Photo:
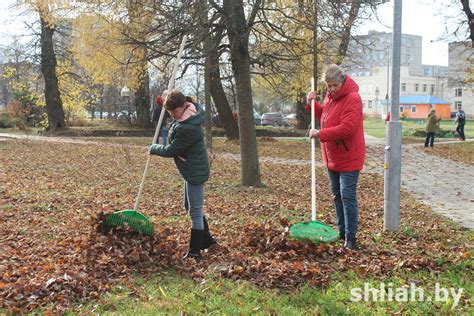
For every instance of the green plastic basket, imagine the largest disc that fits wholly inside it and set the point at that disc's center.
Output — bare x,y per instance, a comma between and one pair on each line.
313,231
133,219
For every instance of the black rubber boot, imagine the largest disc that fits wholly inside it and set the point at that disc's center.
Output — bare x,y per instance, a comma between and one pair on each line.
195,244
208,240
350,243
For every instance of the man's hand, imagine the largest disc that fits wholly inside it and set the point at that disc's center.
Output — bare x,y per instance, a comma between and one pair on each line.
314,133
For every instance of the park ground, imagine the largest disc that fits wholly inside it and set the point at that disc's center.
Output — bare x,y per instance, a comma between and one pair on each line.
53,259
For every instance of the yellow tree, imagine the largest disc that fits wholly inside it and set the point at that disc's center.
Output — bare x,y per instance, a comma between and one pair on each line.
47,11
115,53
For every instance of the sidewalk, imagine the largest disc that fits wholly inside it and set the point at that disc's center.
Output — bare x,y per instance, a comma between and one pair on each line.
441,183
436,181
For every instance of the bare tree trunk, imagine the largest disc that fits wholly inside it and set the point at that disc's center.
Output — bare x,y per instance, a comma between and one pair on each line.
238,33
346,33
142,95
207,71
52,95
470,19
220,99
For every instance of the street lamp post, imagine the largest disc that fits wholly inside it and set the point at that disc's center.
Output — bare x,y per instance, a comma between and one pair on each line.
388,80
393,148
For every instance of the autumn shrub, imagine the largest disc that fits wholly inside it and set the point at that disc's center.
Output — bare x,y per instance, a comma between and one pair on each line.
441,133
18,113
5,121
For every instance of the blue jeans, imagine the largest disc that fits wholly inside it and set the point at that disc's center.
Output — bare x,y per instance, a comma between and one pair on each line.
460,130
430,136
344,187
194,203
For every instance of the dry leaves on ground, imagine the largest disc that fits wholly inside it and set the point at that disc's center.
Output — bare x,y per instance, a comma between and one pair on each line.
55,197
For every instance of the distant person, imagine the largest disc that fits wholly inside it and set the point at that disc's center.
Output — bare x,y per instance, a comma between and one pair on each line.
461,120
155,118
387,118
189,151
341,135
430,128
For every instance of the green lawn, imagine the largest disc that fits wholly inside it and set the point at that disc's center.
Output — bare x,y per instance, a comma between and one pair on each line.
170,293
377,127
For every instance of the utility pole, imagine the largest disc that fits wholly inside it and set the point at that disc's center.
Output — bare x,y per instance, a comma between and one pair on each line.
393,148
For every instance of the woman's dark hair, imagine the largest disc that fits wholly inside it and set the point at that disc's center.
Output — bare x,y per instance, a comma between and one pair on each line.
173,99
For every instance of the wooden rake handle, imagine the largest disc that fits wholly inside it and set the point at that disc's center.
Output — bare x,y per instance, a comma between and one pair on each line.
160,121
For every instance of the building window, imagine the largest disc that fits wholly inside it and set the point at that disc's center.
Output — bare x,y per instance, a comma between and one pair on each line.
457,103
432,90
417,87
404,87
458,92
425,87
401,109
370,104
413,109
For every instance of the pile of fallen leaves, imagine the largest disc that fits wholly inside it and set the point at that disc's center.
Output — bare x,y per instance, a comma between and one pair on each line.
53,250
462,152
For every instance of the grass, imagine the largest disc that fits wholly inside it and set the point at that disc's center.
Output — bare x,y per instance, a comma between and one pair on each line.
377,127
170,293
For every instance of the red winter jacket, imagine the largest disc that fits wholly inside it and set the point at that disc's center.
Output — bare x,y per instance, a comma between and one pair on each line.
342,130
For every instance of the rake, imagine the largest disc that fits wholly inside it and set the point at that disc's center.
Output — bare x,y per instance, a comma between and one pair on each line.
313,231
134,219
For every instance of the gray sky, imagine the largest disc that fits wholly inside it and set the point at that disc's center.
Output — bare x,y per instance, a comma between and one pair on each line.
420,17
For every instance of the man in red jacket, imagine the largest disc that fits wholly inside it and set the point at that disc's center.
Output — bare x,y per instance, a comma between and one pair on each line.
342,146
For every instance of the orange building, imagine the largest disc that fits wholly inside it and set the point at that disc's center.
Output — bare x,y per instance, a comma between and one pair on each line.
418,106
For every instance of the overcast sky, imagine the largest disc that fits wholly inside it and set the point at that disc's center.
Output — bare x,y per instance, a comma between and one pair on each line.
420,17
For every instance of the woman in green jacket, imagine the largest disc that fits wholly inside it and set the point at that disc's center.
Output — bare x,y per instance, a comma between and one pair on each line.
187,147
430,128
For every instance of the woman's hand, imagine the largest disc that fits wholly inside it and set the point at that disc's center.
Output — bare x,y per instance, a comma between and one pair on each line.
314,133
311,95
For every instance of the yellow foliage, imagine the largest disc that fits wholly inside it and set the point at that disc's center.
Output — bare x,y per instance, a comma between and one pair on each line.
101,47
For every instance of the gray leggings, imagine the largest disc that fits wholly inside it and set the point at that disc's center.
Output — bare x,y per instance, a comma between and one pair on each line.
194,203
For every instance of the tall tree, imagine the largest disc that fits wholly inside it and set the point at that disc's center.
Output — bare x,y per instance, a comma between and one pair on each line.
54,105
238,30
48,20
470,19
215,85
139,16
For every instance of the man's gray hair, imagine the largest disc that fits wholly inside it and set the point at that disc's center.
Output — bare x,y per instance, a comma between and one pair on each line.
334,73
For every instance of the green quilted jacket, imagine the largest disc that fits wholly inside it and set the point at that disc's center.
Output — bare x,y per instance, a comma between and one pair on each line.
187,147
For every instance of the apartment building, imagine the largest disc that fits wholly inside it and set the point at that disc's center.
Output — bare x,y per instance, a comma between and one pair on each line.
460,83
375,89
369,63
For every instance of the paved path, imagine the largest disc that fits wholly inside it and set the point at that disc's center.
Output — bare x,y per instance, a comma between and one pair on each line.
441,183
